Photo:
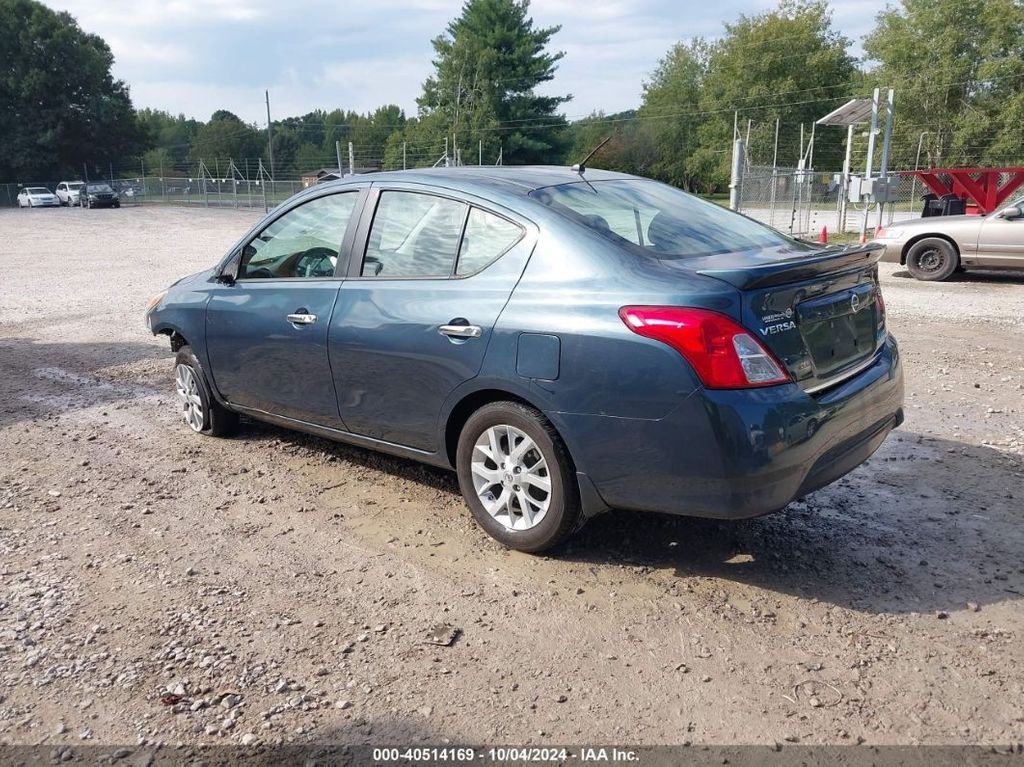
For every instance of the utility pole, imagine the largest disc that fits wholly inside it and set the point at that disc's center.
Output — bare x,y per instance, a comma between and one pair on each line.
337,151
83,196
262,181
351,160
917,164
403,155
736,174
870,163
775,175
886,140
480,153
270,137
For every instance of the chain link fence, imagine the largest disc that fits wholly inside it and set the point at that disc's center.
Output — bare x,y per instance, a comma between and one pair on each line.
803,202
184,191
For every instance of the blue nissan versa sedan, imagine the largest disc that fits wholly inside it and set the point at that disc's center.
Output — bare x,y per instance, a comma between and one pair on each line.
568,341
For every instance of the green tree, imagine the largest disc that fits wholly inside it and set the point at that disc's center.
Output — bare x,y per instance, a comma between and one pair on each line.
958,75
787,64
226,137
488,65
59,104
670,112
173,134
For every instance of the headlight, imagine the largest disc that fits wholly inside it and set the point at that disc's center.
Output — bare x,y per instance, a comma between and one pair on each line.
155,300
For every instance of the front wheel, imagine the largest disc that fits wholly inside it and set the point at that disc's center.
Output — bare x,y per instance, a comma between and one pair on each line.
518,478
195,402
932,259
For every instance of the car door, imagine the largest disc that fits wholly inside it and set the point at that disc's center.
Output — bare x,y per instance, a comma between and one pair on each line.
62,192
1001,240
429,276
266,330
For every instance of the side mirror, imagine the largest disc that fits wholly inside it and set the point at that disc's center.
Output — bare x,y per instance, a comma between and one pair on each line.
1009,213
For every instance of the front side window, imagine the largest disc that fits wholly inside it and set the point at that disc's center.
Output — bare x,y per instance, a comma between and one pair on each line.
304,242
657,220
414,235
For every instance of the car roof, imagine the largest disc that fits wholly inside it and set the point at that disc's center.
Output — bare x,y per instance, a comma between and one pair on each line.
507,179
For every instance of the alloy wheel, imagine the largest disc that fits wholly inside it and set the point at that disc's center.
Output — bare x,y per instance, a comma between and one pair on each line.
187,387
511,477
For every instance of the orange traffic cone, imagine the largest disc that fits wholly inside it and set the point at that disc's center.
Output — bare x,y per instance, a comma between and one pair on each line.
823,237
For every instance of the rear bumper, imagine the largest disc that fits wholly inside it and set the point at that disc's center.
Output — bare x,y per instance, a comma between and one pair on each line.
737,454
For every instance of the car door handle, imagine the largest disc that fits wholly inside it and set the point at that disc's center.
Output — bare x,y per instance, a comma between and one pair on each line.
302,318
460,331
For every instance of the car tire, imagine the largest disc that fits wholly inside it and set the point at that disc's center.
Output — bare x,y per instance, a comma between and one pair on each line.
532,467
932,259
200,410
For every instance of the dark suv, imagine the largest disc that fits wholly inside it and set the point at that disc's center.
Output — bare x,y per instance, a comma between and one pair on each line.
101,196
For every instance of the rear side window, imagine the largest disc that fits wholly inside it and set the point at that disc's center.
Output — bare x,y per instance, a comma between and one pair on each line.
304,242
414,235
486,238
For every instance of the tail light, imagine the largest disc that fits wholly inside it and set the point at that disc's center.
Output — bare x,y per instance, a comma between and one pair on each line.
722,353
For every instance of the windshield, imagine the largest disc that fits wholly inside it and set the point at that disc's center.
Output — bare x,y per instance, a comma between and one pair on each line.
75,185
656,219
99,188
37,190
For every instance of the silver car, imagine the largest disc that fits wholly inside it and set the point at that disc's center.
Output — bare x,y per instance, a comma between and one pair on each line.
933,248
37,197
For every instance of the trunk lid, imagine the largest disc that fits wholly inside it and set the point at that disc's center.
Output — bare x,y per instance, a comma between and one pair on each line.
817,311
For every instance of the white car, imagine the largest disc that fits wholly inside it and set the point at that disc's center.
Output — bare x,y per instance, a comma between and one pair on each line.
37,197
68,192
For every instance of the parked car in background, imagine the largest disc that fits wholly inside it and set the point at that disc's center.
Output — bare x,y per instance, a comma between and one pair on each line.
101,196
934,248
567,341
68,191
37,197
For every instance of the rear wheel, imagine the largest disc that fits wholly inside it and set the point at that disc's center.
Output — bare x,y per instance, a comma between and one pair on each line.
518,478
932,259
195,402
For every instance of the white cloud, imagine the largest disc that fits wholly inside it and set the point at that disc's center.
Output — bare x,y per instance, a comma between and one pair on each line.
195,56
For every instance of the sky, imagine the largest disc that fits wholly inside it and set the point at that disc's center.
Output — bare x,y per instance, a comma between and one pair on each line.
197,56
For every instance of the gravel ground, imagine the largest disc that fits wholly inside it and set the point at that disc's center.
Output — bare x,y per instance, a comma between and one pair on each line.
156,586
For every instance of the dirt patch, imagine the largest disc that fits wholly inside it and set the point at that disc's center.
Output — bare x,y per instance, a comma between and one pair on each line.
160,587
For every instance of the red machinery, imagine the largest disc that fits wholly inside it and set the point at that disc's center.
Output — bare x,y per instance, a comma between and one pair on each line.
980,185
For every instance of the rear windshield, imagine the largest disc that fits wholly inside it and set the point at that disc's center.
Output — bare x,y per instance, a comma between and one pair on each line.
37,190
656,219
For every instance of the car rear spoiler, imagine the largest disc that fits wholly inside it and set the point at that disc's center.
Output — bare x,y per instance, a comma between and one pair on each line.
800,268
